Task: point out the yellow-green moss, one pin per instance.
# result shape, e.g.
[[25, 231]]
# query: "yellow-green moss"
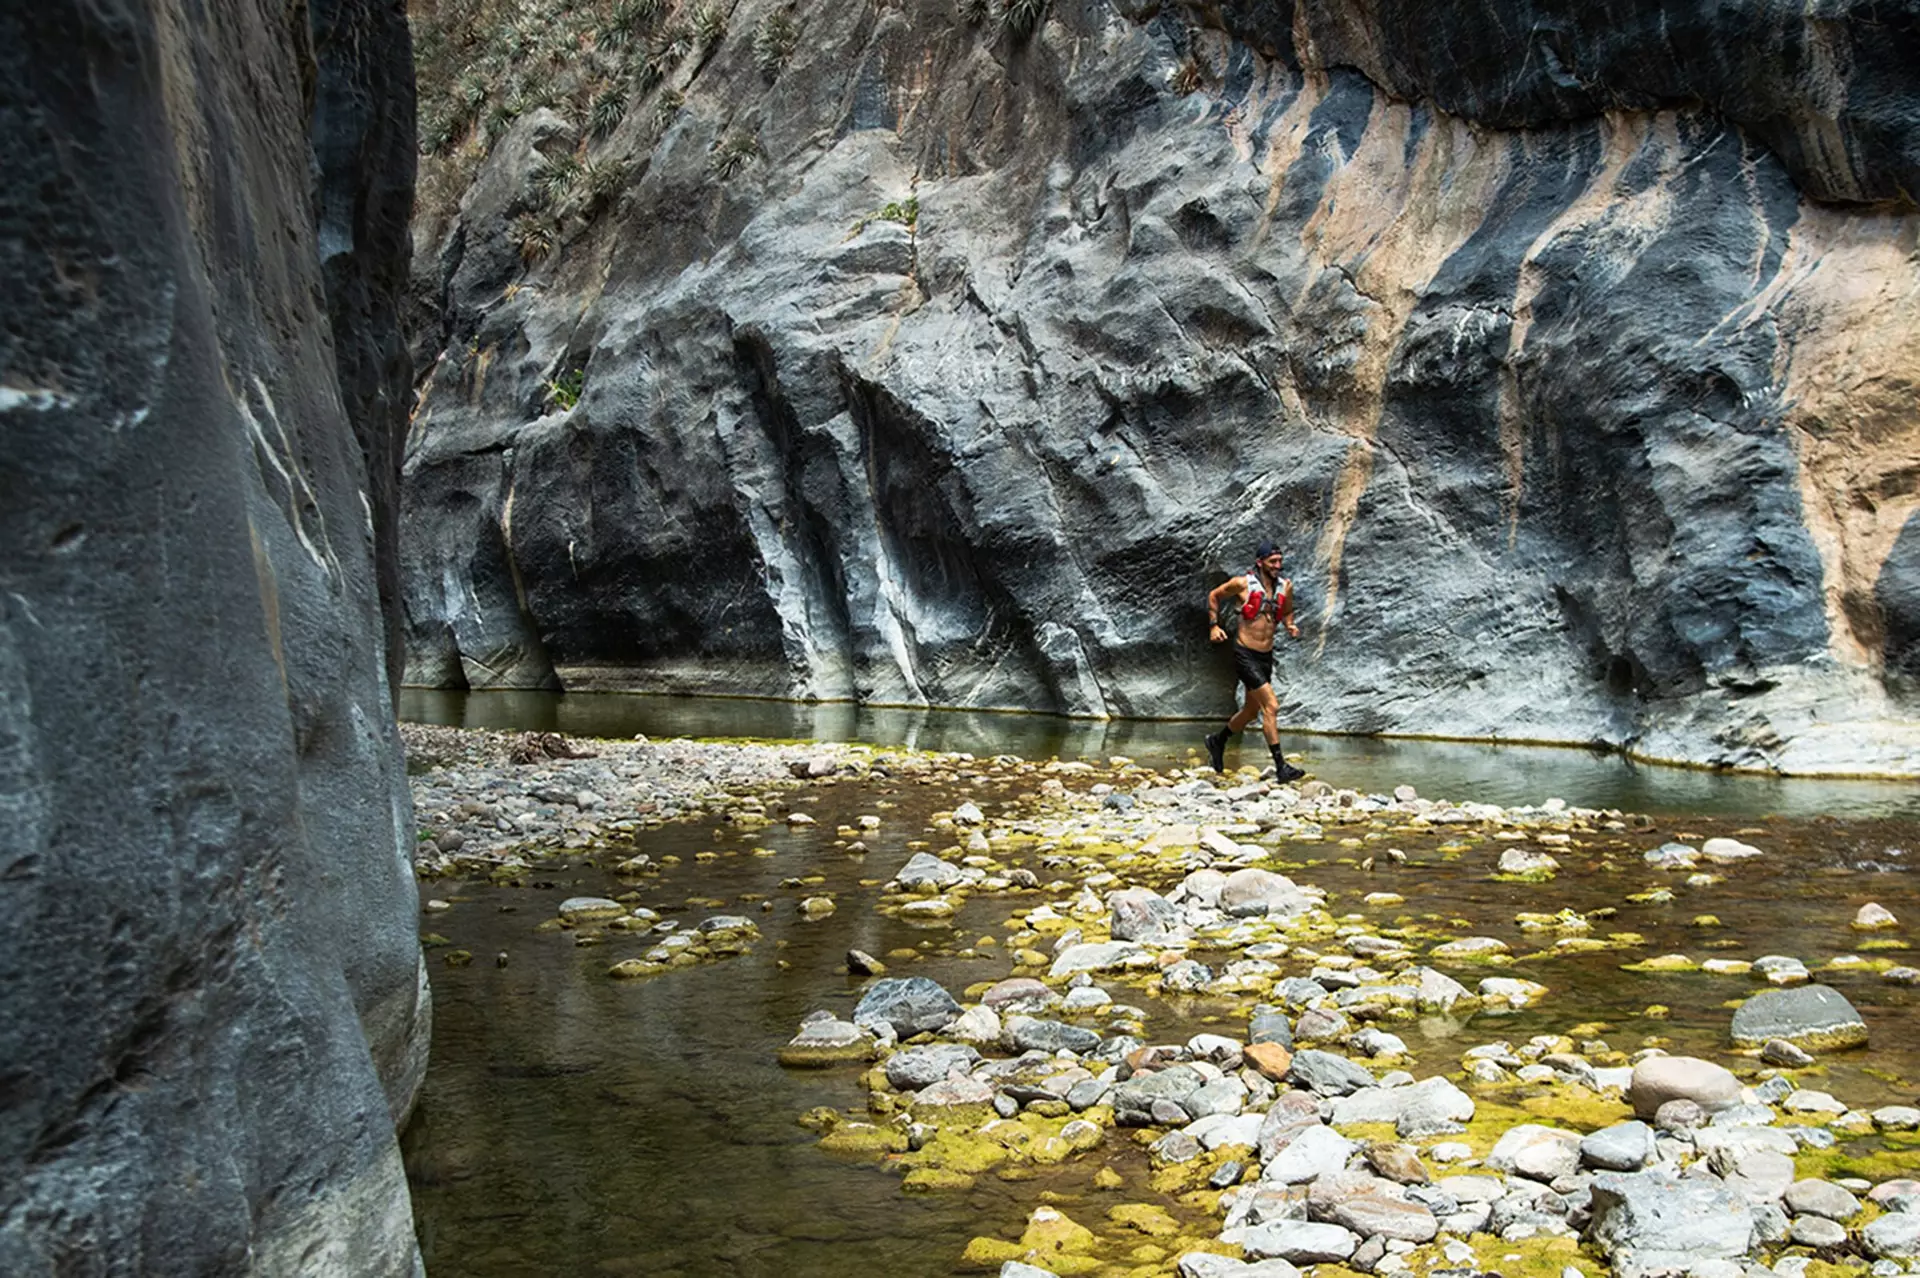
[[1884, 1157], [988, 1255], [1663, 963], [1828, 1269], [1144, 1218], [933, 1180], [1567, 1106], [965, 1152], [1530, 1258], [865, 1140]]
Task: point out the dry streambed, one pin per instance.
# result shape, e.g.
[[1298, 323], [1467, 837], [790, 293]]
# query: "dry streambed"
[[1300, 1129]]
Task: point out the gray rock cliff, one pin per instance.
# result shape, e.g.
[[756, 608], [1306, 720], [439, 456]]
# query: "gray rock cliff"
[[213, 1008], [1567, 348]]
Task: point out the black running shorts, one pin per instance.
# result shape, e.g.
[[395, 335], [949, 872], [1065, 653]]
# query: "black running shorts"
[[1253, 668]]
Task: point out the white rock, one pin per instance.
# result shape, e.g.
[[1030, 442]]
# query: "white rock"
[[1874, 917], [1725, 850], [1315, 1152]]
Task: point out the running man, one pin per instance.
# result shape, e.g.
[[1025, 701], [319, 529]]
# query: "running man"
[[1265, 600]]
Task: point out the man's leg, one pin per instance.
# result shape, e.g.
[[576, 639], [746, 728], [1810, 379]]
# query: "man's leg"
[[1216, 742], [1270, 725], [1269, 712], [1246, 713]]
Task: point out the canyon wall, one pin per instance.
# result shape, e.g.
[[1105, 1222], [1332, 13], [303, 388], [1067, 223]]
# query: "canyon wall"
[[937, 353], [213, 1009]]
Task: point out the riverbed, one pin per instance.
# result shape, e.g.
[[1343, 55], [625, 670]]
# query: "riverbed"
[[573, 1123]]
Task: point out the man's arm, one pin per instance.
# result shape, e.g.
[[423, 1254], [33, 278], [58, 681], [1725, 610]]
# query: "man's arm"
[[1286, 614], [1231, 588]]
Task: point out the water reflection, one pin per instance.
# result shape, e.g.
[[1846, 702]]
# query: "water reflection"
[[1503, 774]]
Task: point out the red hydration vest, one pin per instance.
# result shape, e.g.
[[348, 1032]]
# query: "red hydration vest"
[[1257, 596]]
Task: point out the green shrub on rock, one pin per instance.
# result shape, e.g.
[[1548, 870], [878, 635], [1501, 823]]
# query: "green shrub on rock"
[[774, 41]]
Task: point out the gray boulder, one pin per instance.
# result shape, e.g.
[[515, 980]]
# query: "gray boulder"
[[908, 1005], [1328, 1075], [1143, 915], [924, 871], [1100, 956], [1894, 1236], [1206, 1264], [1536, 1152], [1820, 1198], [922, 1065], [1300, 1242], [1188, 976], [1385, 1215], [1428, 1107], [1029, 1034], [1133, 1099], [1313, 1152], [1254, 892], [1622, 1147], [1648, 1222], [1270, 1026], [1817, 1018]]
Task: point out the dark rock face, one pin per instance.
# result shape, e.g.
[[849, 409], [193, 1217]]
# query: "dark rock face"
[[213, 1009], [1580, 416]]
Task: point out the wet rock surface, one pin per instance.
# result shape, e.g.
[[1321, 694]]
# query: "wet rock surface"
[[215, 1011], [1817, 1017], [973, 323]]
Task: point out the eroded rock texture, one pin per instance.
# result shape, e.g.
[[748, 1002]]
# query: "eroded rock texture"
[[941, 365], [212, 1004]]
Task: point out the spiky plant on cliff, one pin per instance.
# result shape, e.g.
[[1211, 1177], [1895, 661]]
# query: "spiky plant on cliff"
[[608, 108], [672, 44], [556, 177], [625, 24], [1020, 18], [666, 107], [774, 41], [709, 25], [734, 152], [533, 237], [602, 180]]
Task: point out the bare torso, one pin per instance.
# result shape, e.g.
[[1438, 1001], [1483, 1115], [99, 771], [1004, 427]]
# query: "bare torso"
[[1257, 632], [1257, 635]]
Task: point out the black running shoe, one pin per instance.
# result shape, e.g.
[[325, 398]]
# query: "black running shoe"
[[1285, 772], [1217, 750]]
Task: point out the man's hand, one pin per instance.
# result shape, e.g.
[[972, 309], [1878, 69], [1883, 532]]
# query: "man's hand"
[[1293, 631], [1217, 635]]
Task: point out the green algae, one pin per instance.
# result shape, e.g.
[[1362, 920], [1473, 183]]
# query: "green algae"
[[1144, 1218], [933, 1180], [1885, 1157], [1664, 963], [864, 1140]]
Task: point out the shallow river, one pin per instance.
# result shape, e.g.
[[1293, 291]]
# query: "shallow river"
[[573, 1124]]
